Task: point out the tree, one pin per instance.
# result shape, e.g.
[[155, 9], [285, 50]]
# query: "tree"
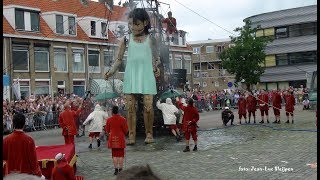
[[244, 59]]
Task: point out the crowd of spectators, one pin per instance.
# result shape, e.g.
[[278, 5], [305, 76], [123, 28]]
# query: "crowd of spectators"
[[42, 112]]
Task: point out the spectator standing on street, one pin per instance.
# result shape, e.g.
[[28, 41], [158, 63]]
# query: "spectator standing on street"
[[67, 122], [19, 150], [276, 103], [189, 123], [290, 102], [242, 108], [96, 121], [116, 128], [226, 116], [169, 112], [62, 171], [263, 105]]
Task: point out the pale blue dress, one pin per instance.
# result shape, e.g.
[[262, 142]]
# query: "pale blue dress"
[[139, 77]]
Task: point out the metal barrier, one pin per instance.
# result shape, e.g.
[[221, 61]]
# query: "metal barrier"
[[38, 121]]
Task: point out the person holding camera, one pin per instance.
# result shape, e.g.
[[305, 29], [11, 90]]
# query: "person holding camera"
[[227, 115]]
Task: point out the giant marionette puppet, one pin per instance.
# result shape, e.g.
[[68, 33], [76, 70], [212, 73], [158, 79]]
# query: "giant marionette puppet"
[[140, 73]]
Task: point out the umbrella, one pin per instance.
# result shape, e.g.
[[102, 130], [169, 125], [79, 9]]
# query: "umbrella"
[[106, 95], [171, 93]]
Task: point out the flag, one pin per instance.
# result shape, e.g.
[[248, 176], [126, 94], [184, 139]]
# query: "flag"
[[16, 89]]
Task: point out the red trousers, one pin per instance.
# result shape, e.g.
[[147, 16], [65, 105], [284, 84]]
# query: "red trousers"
[[193, 132], [68, 139]]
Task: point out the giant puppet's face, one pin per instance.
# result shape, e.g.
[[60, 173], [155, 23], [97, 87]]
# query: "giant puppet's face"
[[137, 28]]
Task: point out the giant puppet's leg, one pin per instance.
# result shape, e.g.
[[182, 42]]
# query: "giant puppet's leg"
[[148, 116], [131, 118]]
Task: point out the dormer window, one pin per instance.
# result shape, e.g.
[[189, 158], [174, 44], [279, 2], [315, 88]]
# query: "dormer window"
[[59, 24], [93, 28], [27, 20]]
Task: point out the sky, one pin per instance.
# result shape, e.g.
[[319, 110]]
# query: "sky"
[[224, 15]]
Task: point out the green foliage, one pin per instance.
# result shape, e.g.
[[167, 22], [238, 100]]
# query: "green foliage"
[[244, 58]]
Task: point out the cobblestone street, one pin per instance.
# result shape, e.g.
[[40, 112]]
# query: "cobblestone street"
[[250, 151]]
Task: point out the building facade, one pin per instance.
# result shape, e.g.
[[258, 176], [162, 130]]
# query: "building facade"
[[52, 48], [207, 71], [292, 55]]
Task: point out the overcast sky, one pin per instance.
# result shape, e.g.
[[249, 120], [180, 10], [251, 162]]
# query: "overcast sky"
[[228, 14]]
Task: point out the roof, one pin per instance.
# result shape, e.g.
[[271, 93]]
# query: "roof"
[[209, 41], [94, 9], [285, 17]]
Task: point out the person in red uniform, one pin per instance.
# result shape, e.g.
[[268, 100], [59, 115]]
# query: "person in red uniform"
[[171, 23], [19, 150], [67, 122], [276, 103], [251, 106], [263, 100], [242, 108], [290, 102], [189, 123], [116, 128], [62, 171]]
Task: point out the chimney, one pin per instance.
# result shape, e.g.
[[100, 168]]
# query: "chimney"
[[84, 2]]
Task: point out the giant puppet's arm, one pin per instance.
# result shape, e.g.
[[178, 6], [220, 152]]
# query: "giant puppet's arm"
[[117, 63], [154, 44]]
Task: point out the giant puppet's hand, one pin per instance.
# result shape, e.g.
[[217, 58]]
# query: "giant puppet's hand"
[[156, 69]]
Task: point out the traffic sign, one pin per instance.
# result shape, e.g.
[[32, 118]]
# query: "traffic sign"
[[230, 84]]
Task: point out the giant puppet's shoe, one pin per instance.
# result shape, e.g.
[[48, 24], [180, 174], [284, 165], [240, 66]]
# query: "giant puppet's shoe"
[[131, 139], [149, 139]]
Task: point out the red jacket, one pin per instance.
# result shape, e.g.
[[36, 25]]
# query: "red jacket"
[[66, 173], [276, 100], [117, 128], [190, 116], [242, 104], [67, 121], [19, 151], [251, 103], [290, 102], [263, 99]]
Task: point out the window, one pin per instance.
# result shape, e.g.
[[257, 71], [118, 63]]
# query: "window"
[[59, 24], [196, 50], [27, 20], [34, 21], [308, 29], [20, 58], [72, 25], [178, 64], [60, 60], [210, 65], [209, 49], [77, 60], [24, 88], [42, 87], [19, 15], [187, 63], [197, 67], [281, 59], [108, 58], [294, 30], [93, 57], [220, 49], [79, 87], [93, 28], [104, 29], [281, 32], [302, 57], [41, 59]]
